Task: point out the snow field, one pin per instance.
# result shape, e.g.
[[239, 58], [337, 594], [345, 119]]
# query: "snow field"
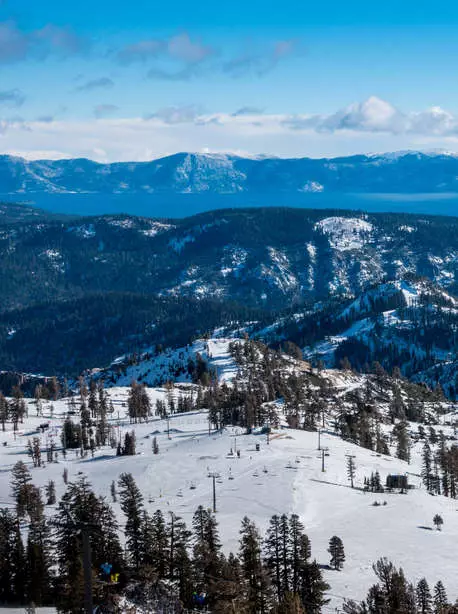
[[283, 477]]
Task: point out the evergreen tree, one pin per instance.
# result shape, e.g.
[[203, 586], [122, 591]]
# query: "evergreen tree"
[[256, 585], [20, 481], [426, 471], [180, 572], [351, 470], [206, 546], [440, 599], [299, 546], [312, 588], [50, 493], [424, 600], [39, 560], [78, 510], [159, 544], [401, 433], [12, 563], [290, 604], [336, 550], [132, 506], [113, 491], [272, 554], [4, 411]]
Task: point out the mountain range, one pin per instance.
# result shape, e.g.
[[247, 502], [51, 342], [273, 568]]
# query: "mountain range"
[[77, 292], [404, 172]]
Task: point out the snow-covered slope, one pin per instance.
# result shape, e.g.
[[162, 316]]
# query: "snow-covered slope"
[[411, 324], [172, 365], [284, 476]]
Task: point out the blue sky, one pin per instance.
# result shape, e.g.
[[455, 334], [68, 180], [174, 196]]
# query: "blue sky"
[[132, 80]]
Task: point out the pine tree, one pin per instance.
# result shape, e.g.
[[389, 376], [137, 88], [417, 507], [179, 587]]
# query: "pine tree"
[[299, 547], [440, 599], [34, 451], [113, 491], [336, 550], [159, 544], [20, 480], [351, 470], [312, 588], [12, 560], [180, 571], [290, 604], [401, 433], [272, 554], [256, 585], [39, 561], [426, 472], [4, 411], [79, 507], [132, 506], [424, 600], [50, 493], [206, 547], [92, 401]]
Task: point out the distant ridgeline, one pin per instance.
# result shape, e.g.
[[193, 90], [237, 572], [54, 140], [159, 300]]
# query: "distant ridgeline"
[[76, 293], [406, 172]]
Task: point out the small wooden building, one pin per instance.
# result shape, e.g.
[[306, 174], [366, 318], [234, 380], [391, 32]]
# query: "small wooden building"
[[397, 481]]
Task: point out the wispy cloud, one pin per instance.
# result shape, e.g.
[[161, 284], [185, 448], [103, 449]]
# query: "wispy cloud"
[[178, 48], [248, 111], [14, 44], [12, 98], [95, 84], [181, 57], [17, 45], [182, 74], [141, 51], [45, 119], [177, 115], [60, 40], [258, 62], [104, 110]]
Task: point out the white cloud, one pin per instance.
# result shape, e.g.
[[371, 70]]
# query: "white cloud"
[[372, 115], [377, 115], [374, 125]]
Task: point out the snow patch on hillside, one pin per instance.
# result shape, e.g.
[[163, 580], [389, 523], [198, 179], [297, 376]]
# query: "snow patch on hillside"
[[312, 186], [233, 260], [345, 233], [172, 364], [157, 228], [85, 231]]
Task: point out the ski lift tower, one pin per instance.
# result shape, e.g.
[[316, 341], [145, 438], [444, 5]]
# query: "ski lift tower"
[[214, 475], [324, 452]]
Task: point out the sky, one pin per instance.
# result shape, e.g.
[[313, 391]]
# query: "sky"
[[111, 80]]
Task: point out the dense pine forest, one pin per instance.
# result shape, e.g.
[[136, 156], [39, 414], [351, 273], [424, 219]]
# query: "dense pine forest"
[[156, 561]]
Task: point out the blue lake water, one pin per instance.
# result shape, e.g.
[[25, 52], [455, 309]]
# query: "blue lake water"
[[182, 205]]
